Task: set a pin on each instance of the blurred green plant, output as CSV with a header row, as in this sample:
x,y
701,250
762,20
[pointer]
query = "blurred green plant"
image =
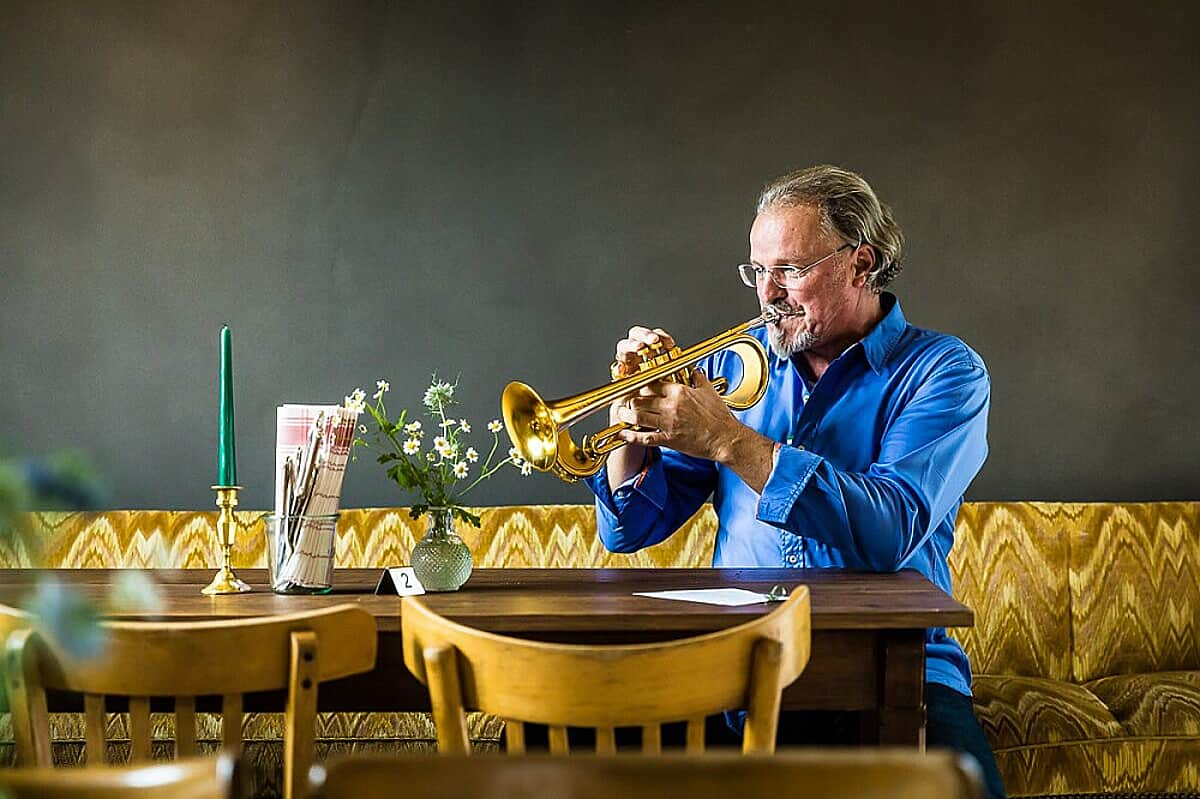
x,y
63,481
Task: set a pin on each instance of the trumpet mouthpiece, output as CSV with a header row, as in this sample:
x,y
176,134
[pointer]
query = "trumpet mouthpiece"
x,y
771,314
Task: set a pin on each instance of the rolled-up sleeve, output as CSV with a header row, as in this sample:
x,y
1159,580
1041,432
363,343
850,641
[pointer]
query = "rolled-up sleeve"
x,y
648,507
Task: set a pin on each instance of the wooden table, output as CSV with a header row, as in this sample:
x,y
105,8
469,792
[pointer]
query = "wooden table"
x,y
868,637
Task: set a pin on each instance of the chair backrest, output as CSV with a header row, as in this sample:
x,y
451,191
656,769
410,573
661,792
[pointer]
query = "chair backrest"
x,y
185,660
816,773
607,686
191,778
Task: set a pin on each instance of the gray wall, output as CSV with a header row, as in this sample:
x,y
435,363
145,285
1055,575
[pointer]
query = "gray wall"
x,y
500,189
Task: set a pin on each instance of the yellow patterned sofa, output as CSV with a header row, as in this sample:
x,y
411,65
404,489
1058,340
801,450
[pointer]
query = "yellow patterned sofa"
x,y
1086,646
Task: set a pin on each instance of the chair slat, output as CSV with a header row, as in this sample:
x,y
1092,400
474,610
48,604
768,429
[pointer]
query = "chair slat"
x,y
606,740
558,740
651,739
94,729
26,695
449,716
185,726
695,735
231,722
302,704
762,715
139,729
514,736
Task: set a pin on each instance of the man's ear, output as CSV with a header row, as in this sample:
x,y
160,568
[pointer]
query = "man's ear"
x,y
864,261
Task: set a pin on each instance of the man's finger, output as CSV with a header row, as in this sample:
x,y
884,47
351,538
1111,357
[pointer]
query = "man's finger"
x,y
667,339
648,438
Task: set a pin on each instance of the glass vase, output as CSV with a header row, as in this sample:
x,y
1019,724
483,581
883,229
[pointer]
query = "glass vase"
x,y
441,561
300,553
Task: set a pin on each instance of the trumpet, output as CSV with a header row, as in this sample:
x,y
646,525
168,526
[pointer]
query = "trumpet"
x,y
540,430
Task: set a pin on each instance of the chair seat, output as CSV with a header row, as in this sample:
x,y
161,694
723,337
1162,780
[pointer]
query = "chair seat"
x,y
1163,703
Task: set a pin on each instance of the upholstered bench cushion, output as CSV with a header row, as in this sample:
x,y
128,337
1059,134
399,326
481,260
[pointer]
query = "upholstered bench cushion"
x,y
1114,735
1117,768
1010,565
1026,711
1135,589
1161,703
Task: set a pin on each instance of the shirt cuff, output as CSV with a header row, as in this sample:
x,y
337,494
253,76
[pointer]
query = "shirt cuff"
x,y
793,469
650,482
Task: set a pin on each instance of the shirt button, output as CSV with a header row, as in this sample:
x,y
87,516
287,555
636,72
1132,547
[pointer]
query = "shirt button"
x,y
793,559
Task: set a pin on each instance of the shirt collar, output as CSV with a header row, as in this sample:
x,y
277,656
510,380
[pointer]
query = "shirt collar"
x,y
883,338
878,345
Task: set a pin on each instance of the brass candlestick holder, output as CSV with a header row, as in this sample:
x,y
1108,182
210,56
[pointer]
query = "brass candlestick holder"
x,y
226,582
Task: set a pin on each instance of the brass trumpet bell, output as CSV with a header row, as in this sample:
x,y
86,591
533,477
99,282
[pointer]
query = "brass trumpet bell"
x,y
540,430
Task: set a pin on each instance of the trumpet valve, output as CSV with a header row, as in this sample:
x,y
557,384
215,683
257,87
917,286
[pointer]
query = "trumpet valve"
x,y
659,356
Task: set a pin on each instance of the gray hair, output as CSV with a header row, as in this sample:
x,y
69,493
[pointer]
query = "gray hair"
x,y
849,209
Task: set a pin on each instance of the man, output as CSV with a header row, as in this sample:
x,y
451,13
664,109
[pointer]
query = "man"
x,y
859,453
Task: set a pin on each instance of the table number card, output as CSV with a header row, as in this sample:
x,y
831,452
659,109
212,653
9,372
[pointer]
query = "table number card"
x,y
401,581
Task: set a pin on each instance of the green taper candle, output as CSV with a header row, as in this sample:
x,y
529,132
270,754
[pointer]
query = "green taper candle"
x,y
226,453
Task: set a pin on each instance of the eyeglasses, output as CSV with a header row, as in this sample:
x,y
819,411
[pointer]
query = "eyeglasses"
x,y
786,277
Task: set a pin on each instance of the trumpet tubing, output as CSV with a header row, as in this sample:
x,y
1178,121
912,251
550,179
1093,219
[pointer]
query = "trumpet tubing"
x,y
540,429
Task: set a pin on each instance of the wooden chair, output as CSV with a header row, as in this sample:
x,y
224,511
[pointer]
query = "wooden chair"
x,y
607,687
816,773
191,778
185,660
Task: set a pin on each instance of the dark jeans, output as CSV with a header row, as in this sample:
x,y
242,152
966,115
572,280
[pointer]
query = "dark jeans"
x,y
950,723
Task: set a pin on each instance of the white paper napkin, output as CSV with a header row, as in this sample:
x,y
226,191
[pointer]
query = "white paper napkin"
x,y
710,596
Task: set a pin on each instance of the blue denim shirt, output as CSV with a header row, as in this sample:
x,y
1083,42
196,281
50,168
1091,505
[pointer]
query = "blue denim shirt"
x,y
878,455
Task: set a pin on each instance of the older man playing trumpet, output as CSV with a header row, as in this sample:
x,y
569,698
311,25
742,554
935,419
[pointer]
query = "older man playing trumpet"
x,y
860,451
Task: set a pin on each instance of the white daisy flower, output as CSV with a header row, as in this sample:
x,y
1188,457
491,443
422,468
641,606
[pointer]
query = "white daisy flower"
x,y
440,443
494,426
526,468
383,385
412,427
362,428
447,423
460,469
412,446
472,455
355,403
512,453
464,426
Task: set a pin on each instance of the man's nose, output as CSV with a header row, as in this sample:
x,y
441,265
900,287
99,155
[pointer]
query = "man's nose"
x,y
769,292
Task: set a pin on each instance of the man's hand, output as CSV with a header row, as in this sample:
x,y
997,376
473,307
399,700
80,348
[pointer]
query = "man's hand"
x,y
692,419
623,463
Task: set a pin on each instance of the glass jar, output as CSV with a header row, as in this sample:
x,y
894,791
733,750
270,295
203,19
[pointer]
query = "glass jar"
x,y
441,560
300,553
